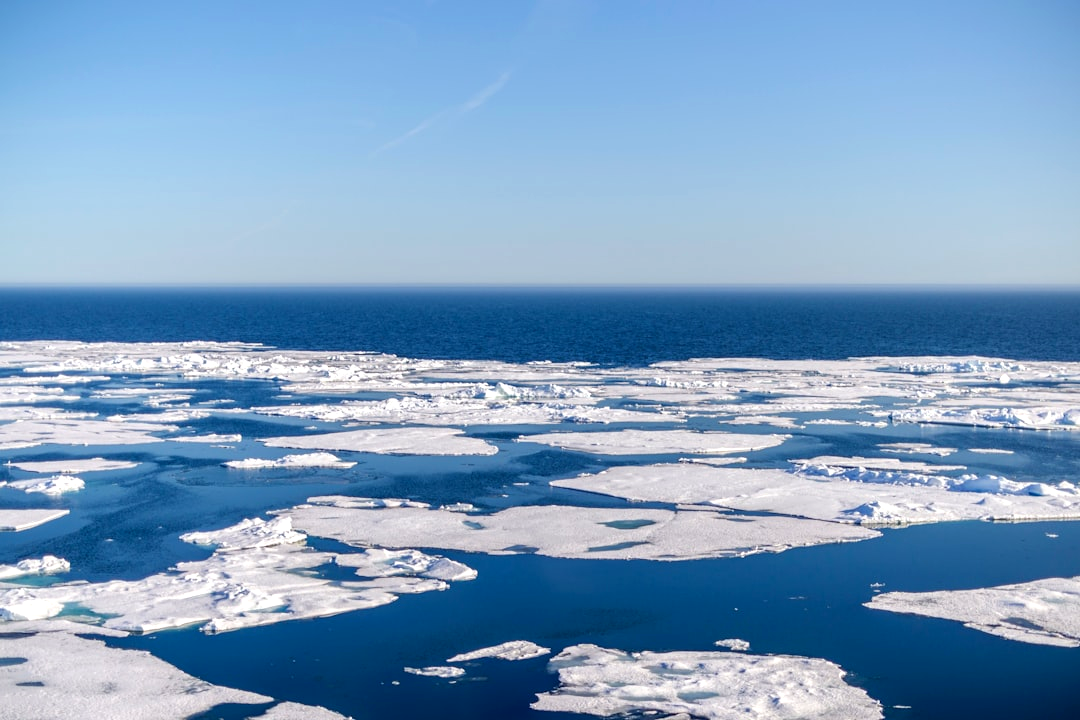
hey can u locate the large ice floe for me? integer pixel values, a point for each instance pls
(565, 531)
(1045, 612)
(849, 495)
(74, 465)
(19, 519)
(261, 573)
(655, 442)
(709, 685)
(53, 670)
(390, 441)
(30, 433)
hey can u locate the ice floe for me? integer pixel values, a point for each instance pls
(713, 685)
(56, 485)
(30, 433)
(308, 460)
(259, 574)
(379, 562)
(45, 565)
(437, 671)
(652, 442)
(73, 465)
(1045, 612)
(733, 644)
(208, 439)
(512, 650)
(1026, 418)
(17, 520)
(565, 531)
(913, 448)
(835, 498)
(390, 441)
(61, 674)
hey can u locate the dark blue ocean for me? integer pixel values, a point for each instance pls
(804, 602)
(608, 326)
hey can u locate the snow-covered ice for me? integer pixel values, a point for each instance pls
(56, 485)
(566, 531)
(652, 442)
(390, 441)
(437, 671)
(709, 685)
(45, 565)
(74, 465)
(63, 674)
(512, 650)
(30, 433)
(249, 533)
(306, 460)
(733, 644)
(17, 520)
(379, 562)
(1045, 612)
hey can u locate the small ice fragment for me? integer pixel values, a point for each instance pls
(733, 644)
(70, 467)
(436, 671)
(512, 650)
(304, 460)
(1051, 535)
(56, 485)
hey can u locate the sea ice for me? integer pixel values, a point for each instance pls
(378, 562)
(17, 520)
(74, 465)
(912, 448)
(1045, 612)
(307, 460)
(56, 485)
(1027, 418)
(390, 441)
(651, 442)
(566, 531)
(512, 650)
(209, 439)
(709, 685)
(436, 671)
(29, 433)
(63, 674)
(733, 644)
(259, 575)
(46, 565)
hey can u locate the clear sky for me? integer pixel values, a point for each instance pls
(668, 142)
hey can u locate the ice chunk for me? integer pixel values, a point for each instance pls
(436, 671)
(249, 533)
(46, 565)
(56, 485)
(512, 650)
(711, 685)
(1045, 612)
(73, 466)
(1028, 418)
(733, 644)
(391, 441)
(378, 562)
(211, 439)
(307, 460)
(650, 442)
(911, 448)
(19, 520)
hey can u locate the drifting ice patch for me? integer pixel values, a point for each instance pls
(710, 685)
(378, 562)
(654, 442)
(209, 439)
(56, 485)
(19, 520)
(70, 467)
(307, 460)
(912, 448)
(66, 675)
(566, 531)
(1044, 612)
(436, 671)
(31, 433)
(47, 565)
(512, 650)
(1030, 418)
(733, 644)
(391, 441)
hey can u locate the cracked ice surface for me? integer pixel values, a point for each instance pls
(65, 675)
(266, 578)
(565, 531)
(1044, 612)
(390, 441)
(712, 685)
(654, 442)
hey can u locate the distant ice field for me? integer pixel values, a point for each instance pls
(350, 532)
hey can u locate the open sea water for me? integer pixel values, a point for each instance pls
(803, 602)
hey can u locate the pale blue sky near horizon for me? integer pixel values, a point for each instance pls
(548, 142)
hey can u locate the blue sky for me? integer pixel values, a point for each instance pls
(540, 142)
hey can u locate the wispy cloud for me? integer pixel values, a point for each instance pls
(464, 108)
